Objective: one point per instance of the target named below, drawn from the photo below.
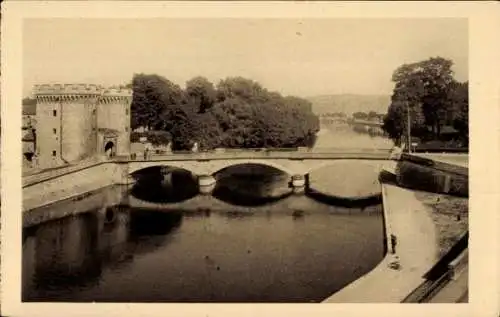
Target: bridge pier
(298, 184)
(206, 184)
(124, 178)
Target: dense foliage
(433, 98)
(236, 113)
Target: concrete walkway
(416, 252)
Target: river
(282, 248)
(342, 136)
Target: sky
(294, 57)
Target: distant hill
(350, 103)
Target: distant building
(28, 130)
(141, 129)
(80, 121)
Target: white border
(484, 89)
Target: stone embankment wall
(71, 184)
(93, 200)
(425, 174)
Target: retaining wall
(93, 200)
(71, 184)
(428, 175)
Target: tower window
(126, 111)
(54, 153)
(54, 112)
(54, 130)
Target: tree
(360, 115)
(201, 93)
(395, 122)
(425, 88)
(459, 99)
(426, 84)
(372, 115)
(153, 96)
(240, 113)
(241, 88)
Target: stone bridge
(345, 164)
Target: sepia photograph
(243, 159)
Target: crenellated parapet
(66, 92)
(116, 95)
(77, 92)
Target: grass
(450, 215)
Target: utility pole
(409, 126)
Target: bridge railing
(257, 153)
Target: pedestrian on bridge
(147, 150)
(195, 147)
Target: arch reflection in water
(148, 223)
(299, 254)
(164, 184)
(251, 185)
(354, 202)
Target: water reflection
(149, 223)
(294, 250)
(360, 202)
(251, 185)
(164, 184)
(122, 254)
(63, 254)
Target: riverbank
(409, 220)
(450, 215)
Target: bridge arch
(215, 168)
(136, 166)
(210, 167)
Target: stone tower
(67, 130)
(113, 121)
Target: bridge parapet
(365, 154)
(296, 164)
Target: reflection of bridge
(287, 203)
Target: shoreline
(416, 253)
